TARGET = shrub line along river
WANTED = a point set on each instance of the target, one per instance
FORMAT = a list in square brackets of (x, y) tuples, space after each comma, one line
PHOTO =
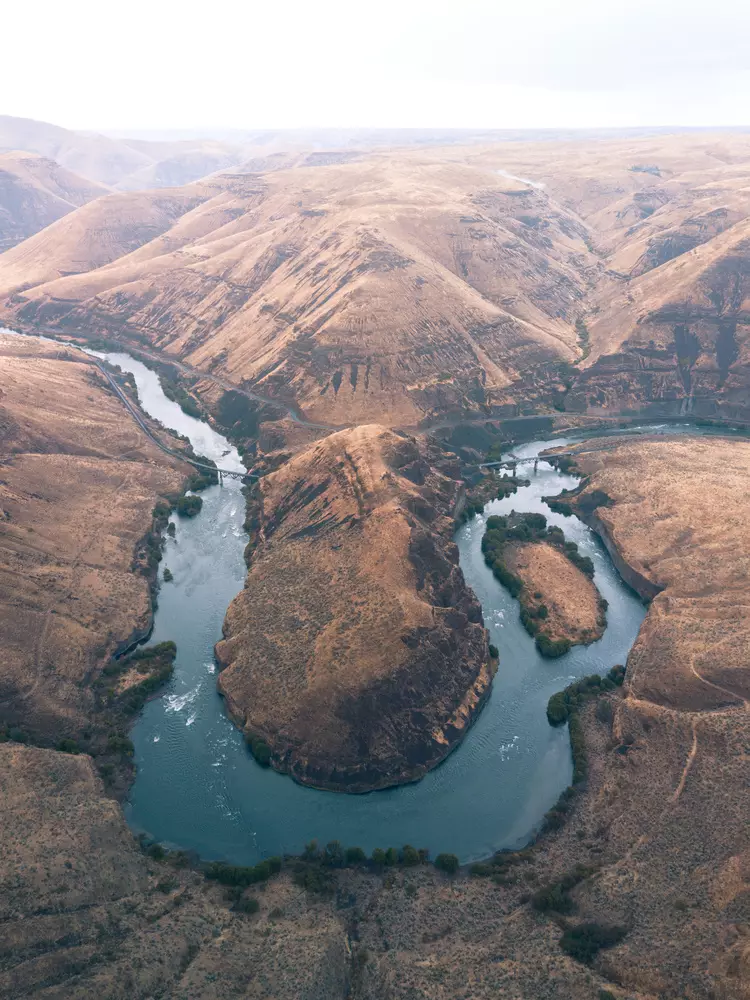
[(198, 788)]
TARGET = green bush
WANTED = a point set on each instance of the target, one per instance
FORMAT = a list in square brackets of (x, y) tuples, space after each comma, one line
[(378, 857), (552, 648), (556, 896), (311, 852), (168, 575), (189, 506), (355, 856), (120, 745), (241, 875), (391, 857), (494, 651), (333, 855), (68, 746), (447, 863), (584, 942), (238, 413), (247, 904), (409, 855), (314, 878), (259, 749)]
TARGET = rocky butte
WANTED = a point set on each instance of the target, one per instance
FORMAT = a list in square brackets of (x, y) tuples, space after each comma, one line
[(356, 653)]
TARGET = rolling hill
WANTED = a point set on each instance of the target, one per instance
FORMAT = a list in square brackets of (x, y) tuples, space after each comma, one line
[(386, 288), (400, 287), (36, 191)]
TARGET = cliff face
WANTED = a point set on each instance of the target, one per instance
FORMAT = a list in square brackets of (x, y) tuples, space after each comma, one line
[(356, 651)]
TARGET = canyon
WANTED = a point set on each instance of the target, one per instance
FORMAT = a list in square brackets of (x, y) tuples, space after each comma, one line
[(405, 308)]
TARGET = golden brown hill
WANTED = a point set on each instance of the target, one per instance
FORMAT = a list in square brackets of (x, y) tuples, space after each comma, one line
[(399, 286), (79, 481), (385, 289), (97, 157), (34, 192), (128, 164), (668, 318), (355, 652), (673, 510), (180, 163)]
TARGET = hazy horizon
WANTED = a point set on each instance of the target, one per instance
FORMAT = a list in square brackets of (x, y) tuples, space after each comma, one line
[(413, 64)]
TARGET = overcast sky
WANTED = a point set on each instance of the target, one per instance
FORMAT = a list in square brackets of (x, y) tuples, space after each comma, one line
[(387, 63)]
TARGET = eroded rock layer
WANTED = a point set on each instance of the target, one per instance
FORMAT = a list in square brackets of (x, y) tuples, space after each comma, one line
[(356, 652)]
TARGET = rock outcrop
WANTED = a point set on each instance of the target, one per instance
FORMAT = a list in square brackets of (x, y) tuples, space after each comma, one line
[(356, 652)]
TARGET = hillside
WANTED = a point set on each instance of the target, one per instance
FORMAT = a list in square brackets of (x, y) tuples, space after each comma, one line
[(119, 163), (400, 287), (385, 289), (352, 540), (35, 192), (78, 485)]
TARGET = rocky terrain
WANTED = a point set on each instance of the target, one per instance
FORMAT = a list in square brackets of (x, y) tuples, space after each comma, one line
[(355, 653), (78, 482)]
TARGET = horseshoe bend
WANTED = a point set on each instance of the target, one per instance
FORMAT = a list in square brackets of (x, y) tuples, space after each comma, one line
[(490, 566)]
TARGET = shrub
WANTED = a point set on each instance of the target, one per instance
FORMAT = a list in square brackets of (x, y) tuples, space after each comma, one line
[(168, 575), (313, 878), (68, 746), (238, 413), (447, 863), (604, 711), (120, 745), (556, 896), (409, 855), (391, 856), (240, 875), (171, 529), (247, 904), (378, 857), (355, 856), (259, 749), (189, 506), (584, 942), (333, 855), (17, 735), (552, 648), (311, 851), (481, 869), (494, 651)]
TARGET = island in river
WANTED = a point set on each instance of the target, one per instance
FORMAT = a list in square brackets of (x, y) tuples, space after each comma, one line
[(560, 604)]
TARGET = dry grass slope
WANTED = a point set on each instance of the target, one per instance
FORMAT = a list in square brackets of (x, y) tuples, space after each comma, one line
[(78, 485), (355, 651)]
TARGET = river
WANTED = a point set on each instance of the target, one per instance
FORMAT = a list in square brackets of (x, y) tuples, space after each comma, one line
[(198, 788)]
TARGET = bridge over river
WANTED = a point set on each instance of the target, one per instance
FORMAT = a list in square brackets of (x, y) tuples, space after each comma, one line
[(136, 415)]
